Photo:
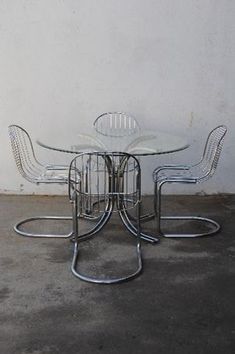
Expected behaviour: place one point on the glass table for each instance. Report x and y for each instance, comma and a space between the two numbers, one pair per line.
141, 143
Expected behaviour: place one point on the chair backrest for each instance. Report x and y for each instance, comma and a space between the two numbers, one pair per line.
23, 152
99, 179
212, 151
116, 124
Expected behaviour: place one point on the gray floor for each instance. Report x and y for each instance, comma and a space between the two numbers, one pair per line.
183, 302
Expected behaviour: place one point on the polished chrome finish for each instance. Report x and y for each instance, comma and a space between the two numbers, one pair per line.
98, 183
34, 171
128, 222
105, 280
190, 174
36, 218
121, 125
116, 124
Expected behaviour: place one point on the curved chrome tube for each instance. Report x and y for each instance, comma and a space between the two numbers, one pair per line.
105, 280
30, 234
215, 226
124, 216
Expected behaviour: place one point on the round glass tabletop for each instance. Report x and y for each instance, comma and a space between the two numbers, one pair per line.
141, 143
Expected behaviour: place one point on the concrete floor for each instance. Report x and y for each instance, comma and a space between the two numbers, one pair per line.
183, 302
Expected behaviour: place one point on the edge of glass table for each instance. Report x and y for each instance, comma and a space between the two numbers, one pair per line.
142, 144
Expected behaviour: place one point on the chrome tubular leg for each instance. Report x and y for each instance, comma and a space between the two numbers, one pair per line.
132, 229
31, 234
104, 280
102, 222
215, 226
107, 281
158, 206
144, 218
75, 213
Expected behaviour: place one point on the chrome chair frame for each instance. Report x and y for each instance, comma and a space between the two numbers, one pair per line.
116, 124
35, 172
190, 174
111, 170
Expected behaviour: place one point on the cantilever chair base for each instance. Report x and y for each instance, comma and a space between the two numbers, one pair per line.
215, 226
104, 280
115, 170
29, 234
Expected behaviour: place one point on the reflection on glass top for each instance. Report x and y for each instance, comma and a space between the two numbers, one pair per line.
142, 142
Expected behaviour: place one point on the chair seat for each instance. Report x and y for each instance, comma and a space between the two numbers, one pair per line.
56, 176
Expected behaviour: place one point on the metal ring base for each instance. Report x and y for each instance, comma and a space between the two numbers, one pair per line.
215, 225
29, 234
105, 280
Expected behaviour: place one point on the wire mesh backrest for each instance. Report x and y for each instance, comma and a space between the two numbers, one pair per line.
213, 150
101, 178
116, 124
23, 152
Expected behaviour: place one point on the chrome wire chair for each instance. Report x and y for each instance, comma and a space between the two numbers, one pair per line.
34, 171
98, 183
190, 174
116, 124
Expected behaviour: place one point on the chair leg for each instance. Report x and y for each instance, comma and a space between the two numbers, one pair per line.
31, 234
75, 214
215, 226
124, 216
74, 266
102, 221
89, 279
94, 230
157, 206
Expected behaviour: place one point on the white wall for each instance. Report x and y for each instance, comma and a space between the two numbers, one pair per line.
169, 63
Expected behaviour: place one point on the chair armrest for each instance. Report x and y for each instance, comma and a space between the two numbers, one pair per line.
177, 179
169, 167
